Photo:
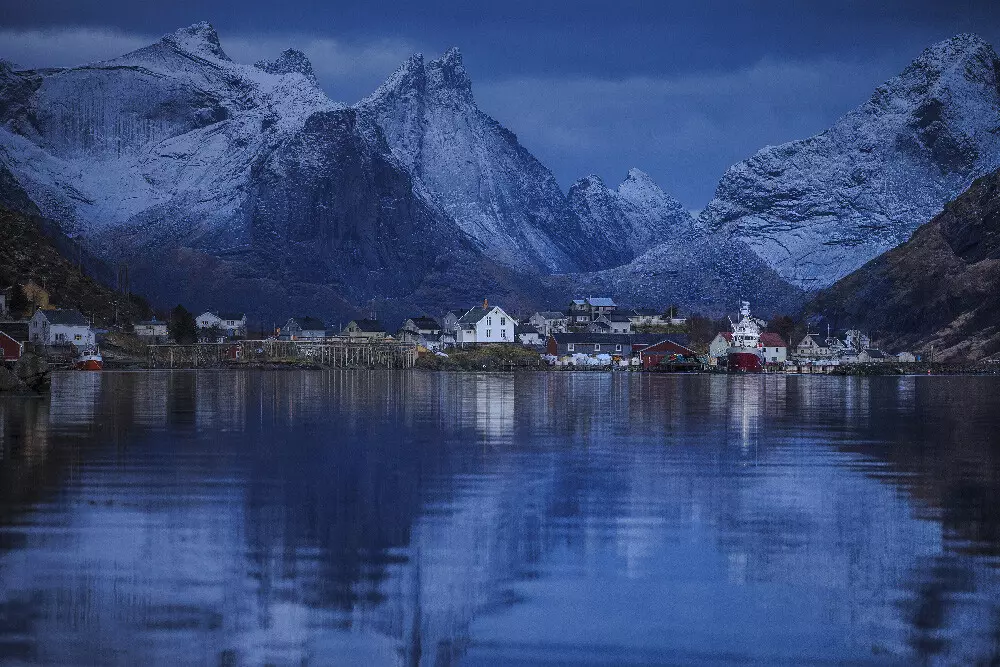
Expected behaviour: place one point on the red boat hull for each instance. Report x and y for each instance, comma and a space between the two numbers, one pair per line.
745, 362
89, 365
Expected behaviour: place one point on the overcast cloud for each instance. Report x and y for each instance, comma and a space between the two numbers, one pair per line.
681, 90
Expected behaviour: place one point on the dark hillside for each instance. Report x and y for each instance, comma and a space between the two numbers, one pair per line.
941, 288
31, 249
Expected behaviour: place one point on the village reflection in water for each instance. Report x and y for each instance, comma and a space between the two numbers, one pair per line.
379, 517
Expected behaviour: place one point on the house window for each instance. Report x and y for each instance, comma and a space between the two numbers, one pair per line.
488, 333
503, 321
597, 347
569, 347
618, 347
78, 337
489, 321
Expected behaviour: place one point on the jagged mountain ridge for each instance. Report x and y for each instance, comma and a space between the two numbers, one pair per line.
819, 208
208, 175
221, 182
497, 192
938, 290
628, 221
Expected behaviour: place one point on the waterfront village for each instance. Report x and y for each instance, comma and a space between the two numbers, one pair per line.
591, 332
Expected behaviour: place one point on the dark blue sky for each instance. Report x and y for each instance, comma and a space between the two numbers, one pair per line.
679, 89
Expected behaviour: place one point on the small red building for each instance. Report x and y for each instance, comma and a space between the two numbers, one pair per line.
9, 347
654, 354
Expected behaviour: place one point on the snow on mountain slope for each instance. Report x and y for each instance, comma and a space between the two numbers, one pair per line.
174, 124
496, 191
241, 184
819, 208
624, 223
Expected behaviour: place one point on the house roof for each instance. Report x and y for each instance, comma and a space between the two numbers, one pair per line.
69, 317
308, 323
552, 314
151, 322
424, 322
16, 330
525, 329
579, 302
728, 335
875, 354
208, 312
585, 338
601, 325
645, 312
668, 345
769, 339
231, 316
619, 317
475, 314
601, 302
369, 326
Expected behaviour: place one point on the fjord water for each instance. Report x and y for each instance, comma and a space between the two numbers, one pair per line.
366, 518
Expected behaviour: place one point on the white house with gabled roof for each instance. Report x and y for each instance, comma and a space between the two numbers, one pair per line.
486, 324
58, 327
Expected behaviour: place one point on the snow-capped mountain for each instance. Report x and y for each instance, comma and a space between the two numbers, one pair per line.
819, 208
236, 185
496, 191
624, 223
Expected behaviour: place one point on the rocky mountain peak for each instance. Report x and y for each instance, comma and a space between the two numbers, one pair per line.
591, 182
962, 48
447, 77
199, 39
291, 61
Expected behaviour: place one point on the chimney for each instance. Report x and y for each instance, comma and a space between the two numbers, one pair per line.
486, 304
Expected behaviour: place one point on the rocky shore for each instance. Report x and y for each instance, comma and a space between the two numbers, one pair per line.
30, 375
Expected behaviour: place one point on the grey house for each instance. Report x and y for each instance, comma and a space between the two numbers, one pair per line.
549, 321
566, 344
303, 328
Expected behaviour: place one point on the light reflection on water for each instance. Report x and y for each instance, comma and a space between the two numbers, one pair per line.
422, 518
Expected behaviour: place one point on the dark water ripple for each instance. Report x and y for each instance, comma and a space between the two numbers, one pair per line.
365, 518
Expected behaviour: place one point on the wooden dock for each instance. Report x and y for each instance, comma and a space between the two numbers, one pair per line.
329, 353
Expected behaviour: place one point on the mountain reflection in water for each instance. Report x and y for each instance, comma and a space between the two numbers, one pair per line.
429, 518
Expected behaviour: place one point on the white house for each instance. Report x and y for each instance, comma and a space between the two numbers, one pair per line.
774, 348
486, 324
207, 320
906, 357
809, 348
58, 327
234, 324
719, 347
231, 324
646, 317
152, 330
450, 320
529, 335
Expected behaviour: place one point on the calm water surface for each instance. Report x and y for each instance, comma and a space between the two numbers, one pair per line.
410, 518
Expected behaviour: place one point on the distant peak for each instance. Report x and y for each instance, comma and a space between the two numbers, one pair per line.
961, 47
635, 174
408, 77
199, 39
448, 73
291, 61
589, 181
